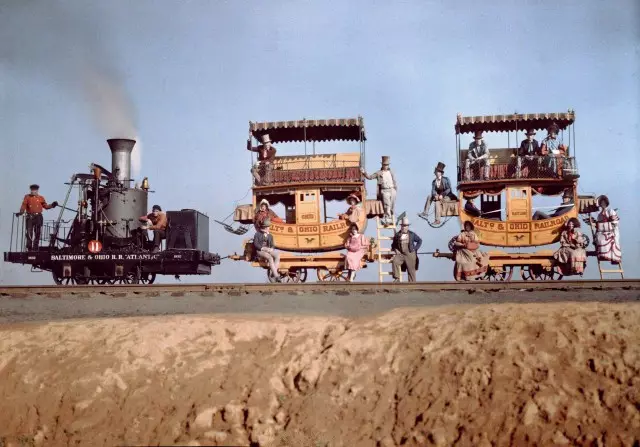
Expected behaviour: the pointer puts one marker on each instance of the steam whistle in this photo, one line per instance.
(145, 184)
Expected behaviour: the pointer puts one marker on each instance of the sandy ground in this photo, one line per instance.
(482, 375)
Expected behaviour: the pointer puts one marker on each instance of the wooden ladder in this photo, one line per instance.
(385, 233)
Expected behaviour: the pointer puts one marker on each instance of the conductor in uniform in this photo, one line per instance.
(33, 204)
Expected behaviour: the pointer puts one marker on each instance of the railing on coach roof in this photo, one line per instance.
(531, 167)
(310, 169)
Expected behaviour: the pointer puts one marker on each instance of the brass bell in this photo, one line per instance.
(145, 183)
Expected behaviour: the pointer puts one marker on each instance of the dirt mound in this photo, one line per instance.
(482, 375)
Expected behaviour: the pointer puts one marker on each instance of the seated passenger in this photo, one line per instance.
(567, 205)
(264, 246)
(263, 212)
(266, 156)
(354, 213)
(527, 154)
(553, 149)
(478, 154)
(470, 262)
(356, 246)
(440, 192)
(571, 255)
(156, 222)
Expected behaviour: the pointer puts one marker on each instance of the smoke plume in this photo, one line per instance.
(61, 42)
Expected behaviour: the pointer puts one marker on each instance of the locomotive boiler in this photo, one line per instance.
(101, 240)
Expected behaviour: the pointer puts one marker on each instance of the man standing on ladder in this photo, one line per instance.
(387, 188)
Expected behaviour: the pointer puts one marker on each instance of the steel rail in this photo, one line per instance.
(320, 287)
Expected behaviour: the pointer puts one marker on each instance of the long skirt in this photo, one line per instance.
(470, 264)
(571, 260)
(608, 246)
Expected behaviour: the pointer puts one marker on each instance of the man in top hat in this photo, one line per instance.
(264, 246)
(529, 149)
(266, 157)
(405, 247)
(156, 221)
(33, 204)
(478, 154)
(567, 205)
(440, 192)
(553, 148)
(387, 189)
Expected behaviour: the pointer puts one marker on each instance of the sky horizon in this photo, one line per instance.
(185, 78)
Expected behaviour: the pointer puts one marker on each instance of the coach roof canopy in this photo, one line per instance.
(349, 129)
(509, 123)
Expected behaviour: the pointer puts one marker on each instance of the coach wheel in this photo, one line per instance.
(298, 275)
(532, 272)
(504, 275)
(324, 274)
(551, 275)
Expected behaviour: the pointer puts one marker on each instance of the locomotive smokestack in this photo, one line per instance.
(121, 159)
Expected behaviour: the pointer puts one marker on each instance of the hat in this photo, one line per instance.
(405, 222)
(477, 135)
(265, 201)
(34, 186)
(156, 207)
(531, 132)
(385, 160)
(353, 196)
(440, 167)
(265, 138)
(266, 223)
(553, 127)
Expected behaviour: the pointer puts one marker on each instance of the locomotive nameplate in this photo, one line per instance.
(111, 257)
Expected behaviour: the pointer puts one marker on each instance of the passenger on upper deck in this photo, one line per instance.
(263, 212)
(527, 153)
(478, 154)
(567, 205)
(387, 188)
(553, 148)
(266, 156)
(440, 191)
(354, 214)
(571, 255)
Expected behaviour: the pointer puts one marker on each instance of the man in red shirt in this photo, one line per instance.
(156, 222)
(266, 157)
(33, 204)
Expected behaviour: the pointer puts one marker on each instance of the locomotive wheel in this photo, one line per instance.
(105, 281)
(130, 278)
(147, 278)
(62, 281)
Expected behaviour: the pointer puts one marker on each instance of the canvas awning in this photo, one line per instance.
(349, 129)
(510, 123)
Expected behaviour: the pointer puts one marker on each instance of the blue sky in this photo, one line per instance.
(187, 77)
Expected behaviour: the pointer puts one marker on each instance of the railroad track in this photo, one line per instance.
(309, 288)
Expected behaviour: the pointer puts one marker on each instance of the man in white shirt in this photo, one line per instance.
(387, 189)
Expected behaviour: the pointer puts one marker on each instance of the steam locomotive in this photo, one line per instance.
(103, 243)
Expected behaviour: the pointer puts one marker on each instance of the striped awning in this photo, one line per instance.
(349, 129)
(510, 123)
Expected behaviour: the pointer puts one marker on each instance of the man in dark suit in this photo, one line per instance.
(405, 247)
(567, 205)
(528, 154)
(440, 192)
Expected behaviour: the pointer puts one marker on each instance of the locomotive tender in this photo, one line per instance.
(104, 242)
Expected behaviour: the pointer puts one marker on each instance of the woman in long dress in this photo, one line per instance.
(353, 215)
(571, 256)
(470, 262)
(608, 233)
(356, 246)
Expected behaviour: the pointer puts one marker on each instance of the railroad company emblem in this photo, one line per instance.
(95, 246)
